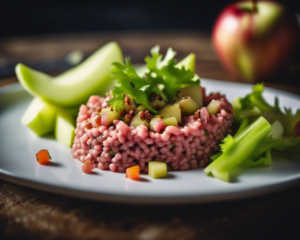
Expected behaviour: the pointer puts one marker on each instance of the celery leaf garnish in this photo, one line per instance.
(165, 73)
(254, 105)
(117, 102)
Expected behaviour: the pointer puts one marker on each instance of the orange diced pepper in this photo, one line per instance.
(133, 172)
(43, 157)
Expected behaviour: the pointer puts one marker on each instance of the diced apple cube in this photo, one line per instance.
(112, 115)
(170, 121)
(194, 92)
(188, 106)
(171, 111)
(214, 107)
(137, 121)
(157, 169)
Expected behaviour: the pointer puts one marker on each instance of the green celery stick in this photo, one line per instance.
(238, 149)
(244, 124)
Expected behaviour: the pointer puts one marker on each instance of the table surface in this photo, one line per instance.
(26, 212)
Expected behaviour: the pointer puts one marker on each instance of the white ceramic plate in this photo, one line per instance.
(18, 146)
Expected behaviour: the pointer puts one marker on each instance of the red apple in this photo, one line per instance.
(255, 39)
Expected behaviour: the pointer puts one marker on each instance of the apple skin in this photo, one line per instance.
(255, 46)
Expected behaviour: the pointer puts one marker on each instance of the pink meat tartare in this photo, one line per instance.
(119, 146)
(161, 114)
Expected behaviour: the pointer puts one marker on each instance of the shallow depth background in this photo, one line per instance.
(29, 17)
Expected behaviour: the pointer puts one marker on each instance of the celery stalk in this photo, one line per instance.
(238, 149)
(244, 124)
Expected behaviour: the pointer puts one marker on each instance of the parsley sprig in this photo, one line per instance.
(162, 78)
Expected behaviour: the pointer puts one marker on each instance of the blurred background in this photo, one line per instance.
(19, 17)
(41, 34)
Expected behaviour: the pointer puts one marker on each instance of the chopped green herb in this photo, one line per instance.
(117, 103)
(112, 153)
(162, 78)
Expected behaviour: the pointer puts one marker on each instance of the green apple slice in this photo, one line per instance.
(76, 85)
(157, 169)
(64, 130)
(39, 117)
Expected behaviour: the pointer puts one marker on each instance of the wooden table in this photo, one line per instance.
(28, 213)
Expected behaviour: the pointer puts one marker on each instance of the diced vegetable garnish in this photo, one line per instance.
(254, 105)
(194, 92)
(171, 111)
(170, 121)
(43, 157)
(214, 107)
(112, 115)
(133, 173)
(157, 169)
(87, 167)
(188, 106)
(137, 121)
